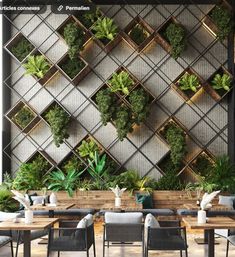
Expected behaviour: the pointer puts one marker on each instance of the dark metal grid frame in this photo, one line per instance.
(163, 93)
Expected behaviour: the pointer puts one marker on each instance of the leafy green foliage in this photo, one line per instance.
(74, 37)
(22, 49)
(97, 166)
(36, 65)
(89, 17)
(139, 101)
(23, 117)
(73, 67)
(30, 175)
(203, 166)
(58, 120)
(138, 34)
(223, 20)
(222, 82)
(88, 149)
(121, 82)
(73, 163)
(189, 82)
(176, 36)
(176, 138)
(7, 203)
(105, 29)
(58, 181)
(106, 102)
(7, 181)
(170, 181)
(123, 122)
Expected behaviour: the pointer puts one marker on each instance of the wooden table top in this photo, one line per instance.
(38, 224)
(212, 223)
(215, 207)
(49, 207)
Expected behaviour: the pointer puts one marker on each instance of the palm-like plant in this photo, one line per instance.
(105, 29)
(121, 82)
(97, 166)
(189, 82)
(222, 82)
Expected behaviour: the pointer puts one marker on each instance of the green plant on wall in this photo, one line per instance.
(58, 120)
(88, 148)
(23, 117)
(97, 166)
(36, 65)
(74, 37)
(139, 101)
(189, 82)
(176, 36)
(89, 17)
(169, 181)
(223, 20)
(105, 28)
(222, 82)
(203, 166)
(138, 34)
(106, 102)
(121, 82)
(73, 163)
(22, 49)
(73, 67)
(123, 122)
(7, 203)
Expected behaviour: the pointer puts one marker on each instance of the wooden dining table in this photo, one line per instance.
(212, 224)
(38, 224)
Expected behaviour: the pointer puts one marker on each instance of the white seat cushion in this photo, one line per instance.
(151, 221)
(123, 218)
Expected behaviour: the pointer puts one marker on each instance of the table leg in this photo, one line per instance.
(211, 240)
(51, 214)
(27, 243)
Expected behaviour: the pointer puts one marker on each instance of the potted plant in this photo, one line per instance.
(219, 84)
(40, 68)
(219, 21)
(19, 47)
(172, 37)
(23, 116)
(7, 203)
(107, 33)
(187, 84)
(138, 33)
(58, 120)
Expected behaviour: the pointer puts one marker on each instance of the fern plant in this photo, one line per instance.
(74, 37)
(105, 28)
(58, 120)
(138, 34)
(222, 82)
(139, 101)
(23, 117)
(121, 82)
(36, 65)
(22, 49)
(88, 149)
(106, 102)
(189, 82)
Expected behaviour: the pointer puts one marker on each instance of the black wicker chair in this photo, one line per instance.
(4, 240)
(69, 238)
(169, 236)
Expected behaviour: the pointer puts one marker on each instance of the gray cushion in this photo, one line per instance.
(226, 200)
(4, 240)
(75, 212)
(158, 212)
(123, 218)
(185, 212)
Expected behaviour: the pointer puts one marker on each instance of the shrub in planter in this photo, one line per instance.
(74, 37)
(22, 49)
(121, 82)
(72, 163)
(89, 17)
(58, 119)
(106, 102)
(169, 181)
(7, 203)
(189, 82)
(123, 121)
(36, 65)
(73, 67)
(223, 20)
(138, 34)
(176, 36)
(203, 165)
(88, 148)
(139, 101)
(23, 117)
(221, 81)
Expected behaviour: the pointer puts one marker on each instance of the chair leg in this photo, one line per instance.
(17, 244)
(94, 249)
(58, 253)
(181, 253)
(87, 252)
(146, 252)
(103, 248)
(227, 248)
(12, 251)
(48, 252)
(186, 252)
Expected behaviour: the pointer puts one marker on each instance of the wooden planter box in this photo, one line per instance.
(186, 94)
(13, 42)
(217, 95)
(71, 19)
(15, 110)
(81, 74)
(143, 24)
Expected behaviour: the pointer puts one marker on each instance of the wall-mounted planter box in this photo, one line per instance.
(202, 163)
(138, 33)
(186, 94)
(74, 71)
(102, 87)
(217, 94)
(188, 176)
(23, 117)
(112, 165)
(19, 47)
(50, 74)
(71, 19)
